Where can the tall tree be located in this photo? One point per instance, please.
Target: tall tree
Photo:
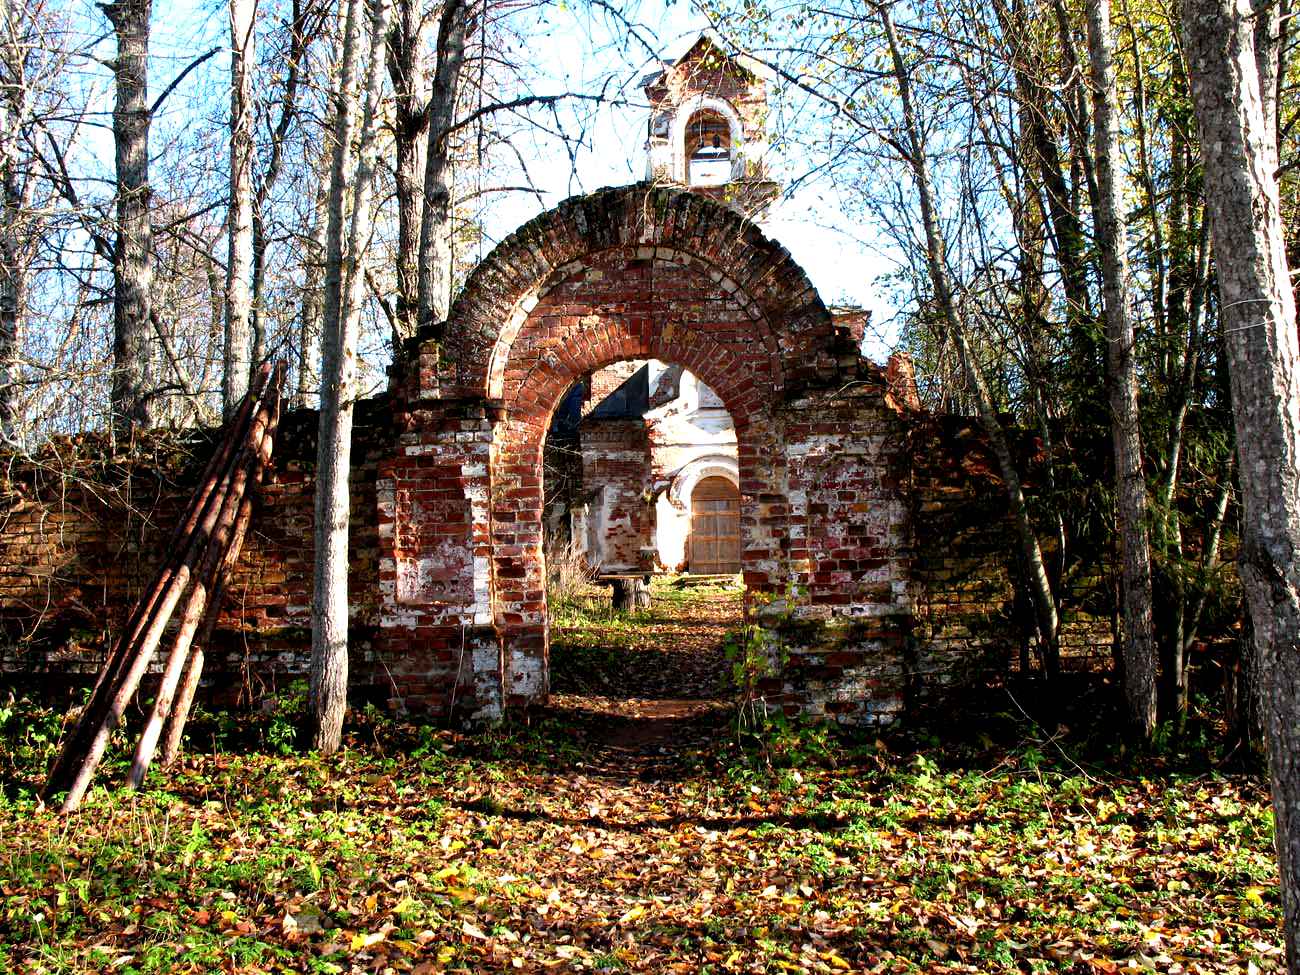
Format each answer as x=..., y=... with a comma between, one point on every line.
x=435, y=224
x=239, y=265
x=913, y=148
x=17, y=41
x=406, y=66
x=303, y=23
x=1258, y=315
x=346, y=240
x=132, y=392
x=1139, y=653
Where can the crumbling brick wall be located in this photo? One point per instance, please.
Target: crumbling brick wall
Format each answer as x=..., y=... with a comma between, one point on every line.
x=615, y=461
x=75, y=552
x=872, y=555
x=80, y=539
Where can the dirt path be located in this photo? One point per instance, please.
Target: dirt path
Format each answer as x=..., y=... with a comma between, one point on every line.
x=647, y=688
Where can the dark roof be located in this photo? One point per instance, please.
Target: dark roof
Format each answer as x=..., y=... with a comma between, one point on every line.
x=629, y=401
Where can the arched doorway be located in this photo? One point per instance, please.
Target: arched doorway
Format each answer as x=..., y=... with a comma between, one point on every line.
x=632, y=273
x=715, y=543
x=630, y=632
x=639, y=272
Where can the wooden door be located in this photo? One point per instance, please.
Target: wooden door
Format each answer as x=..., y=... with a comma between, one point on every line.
x=715, y=527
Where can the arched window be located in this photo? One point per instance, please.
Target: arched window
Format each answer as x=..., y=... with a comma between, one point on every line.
x=708, y=149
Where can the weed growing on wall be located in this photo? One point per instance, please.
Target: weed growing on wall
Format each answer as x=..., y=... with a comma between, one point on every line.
x=757, y=653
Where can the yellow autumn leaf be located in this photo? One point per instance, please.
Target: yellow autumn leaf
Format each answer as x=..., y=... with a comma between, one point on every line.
x=632, y=915
x=836, y=961
x=362, y=940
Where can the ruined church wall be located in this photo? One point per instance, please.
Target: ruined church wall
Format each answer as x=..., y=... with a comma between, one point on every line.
x=615, y=461
x=79, y=541
x=842, y=626
x=895, y=548
x=902, y=582
x=971, y=610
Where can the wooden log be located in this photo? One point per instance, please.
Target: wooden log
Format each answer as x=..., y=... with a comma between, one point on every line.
x=221, y=459
x=149, y=604
x=630, y=593
x=222, y=551
x=81, y=765
x=180, y=712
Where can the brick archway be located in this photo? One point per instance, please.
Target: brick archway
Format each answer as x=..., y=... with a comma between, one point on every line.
x=467, y=355
x=534, y=389
x=637, y=272
x=641, y=271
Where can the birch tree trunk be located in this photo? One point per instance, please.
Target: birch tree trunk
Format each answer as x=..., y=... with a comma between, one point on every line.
x=131, y=395
x=309, y=322
x=15, y=197
x=301, y=36
x=1040, y=588
x=344, y=275
x=435, y=222
x=239, y=264
x=1259, y=324
x=1139, y=649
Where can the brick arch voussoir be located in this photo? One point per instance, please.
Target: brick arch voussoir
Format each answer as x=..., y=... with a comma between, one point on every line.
x=562, y=362
x=522, y=266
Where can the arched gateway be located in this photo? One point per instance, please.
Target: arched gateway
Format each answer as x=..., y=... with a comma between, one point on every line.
x=634, y=273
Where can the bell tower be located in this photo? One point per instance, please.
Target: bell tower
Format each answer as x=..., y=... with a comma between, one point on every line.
x=707, y=126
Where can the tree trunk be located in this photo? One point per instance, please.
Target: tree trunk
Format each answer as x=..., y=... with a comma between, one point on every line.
x=301, y=37
x=435, y=223
x=133, y=368
x=1121, y=367
x=309, y=323
x=1040, y=587
x=342, y=305
x=14, y=255
x=1269, y=36
x=628, y=595
x=1259, y=325
x=1036, y=98
x=406, y=68
x=239, y=264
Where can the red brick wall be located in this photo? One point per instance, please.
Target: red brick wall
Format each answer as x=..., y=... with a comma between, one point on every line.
x=873, y=547
x=78, y=552
x=605, y=381
x=892, y=535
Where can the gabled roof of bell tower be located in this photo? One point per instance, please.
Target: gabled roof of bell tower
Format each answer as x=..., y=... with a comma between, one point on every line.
x=704, y=42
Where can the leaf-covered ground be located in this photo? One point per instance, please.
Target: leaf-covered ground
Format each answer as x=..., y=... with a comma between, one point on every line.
x=630, y=830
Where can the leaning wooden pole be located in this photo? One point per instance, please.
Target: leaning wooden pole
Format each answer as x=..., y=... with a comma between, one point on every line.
x=221, y=553
x=147, y=606
x=82, y=754
x=180, y=712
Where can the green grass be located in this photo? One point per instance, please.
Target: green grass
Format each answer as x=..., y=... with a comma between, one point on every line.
x=880, y=857
x=796, y=848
